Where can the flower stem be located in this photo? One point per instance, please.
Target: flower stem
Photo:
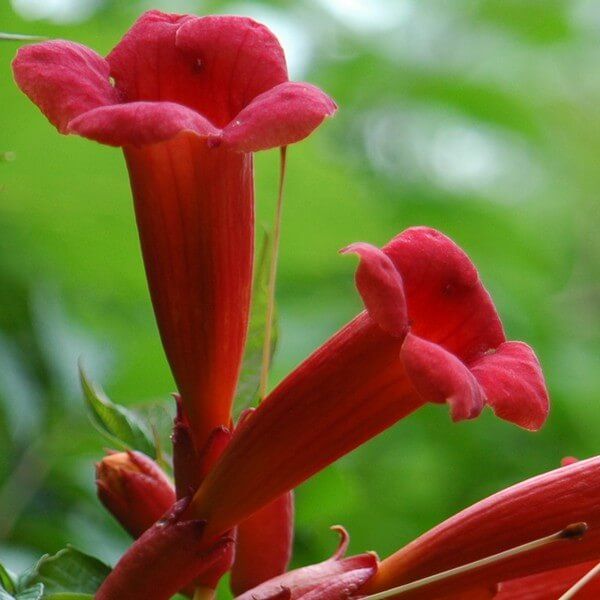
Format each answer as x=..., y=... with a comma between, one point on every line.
x=204, y=593
x=574, y=531
x=570, y=593
x=266, y=354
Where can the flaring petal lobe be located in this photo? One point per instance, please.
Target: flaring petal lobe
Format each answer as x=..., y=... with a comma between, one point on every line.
x=141, y=123
x=438, y=376
x=514, y=385
x=337, y=577
x=447, y=302
x=235, y=59
x=146, y=64
x=280, y=116
x=64, y=79
x=380, y=286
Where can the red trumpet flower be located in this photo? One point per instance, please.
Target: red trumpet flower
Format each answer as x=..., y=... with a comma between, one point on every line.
x=530, y=510
x=430, y=334
x=544, y=531
x=189, y=99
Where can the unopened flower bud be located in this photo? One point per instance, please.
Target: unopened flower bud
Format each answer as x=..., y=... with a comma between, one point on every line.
x=134, y=490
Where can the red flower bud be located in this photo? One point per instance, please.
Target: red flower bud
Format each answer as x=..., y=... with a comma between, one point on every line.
x=134, y=490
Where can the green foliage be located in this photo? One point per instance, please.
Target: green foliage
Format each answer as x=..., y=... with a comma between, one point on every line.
x=33, y=593
x=118, y=424
x=480, y=118
x=68, y=574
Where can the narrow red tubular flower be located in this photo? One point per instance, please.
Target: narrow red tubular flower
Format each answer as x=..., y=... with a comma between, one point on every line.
x=263, y=546
x=134, y=490
x=551, y=584
x=527, y=511
x=335, y=578
x=373, y=373
x=189, y=99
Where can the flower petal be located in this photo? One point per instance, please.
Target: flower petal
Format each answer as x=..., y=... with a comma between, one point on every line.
x=140, y=123
x=337, y=577
x=524, y=512
x=195, y=213
x=235, y=58
x=447, y=302
x=281, y=116
x=64, y=79
x=440, y=377
x=381, y=288
x=263, y=546
x=514, y=385
x=216, y=65
x=146, y=64
x=551, y=584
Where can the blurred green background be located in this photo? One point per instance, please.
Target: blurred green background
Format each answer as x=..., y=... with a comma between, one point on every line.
x=480, y=118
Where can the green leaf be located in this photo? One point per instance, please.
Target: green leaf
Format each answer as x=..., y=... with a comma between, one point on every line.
x=33, y=593
x=68, y=574
x=246, y=394
x=118, y=424
x=7, y=580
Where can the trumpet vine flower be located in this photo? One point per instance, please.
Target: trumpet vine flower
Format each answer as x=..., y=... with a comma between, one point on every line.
x=189, y=99
x=532, y=541
x=430, y=333
x=530, y=510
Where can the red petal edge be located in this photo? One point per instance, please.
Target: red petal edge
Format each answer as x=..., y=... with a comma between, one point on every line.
x=281, y=116
x=337, y=577
x=439, y=376
x=514, y=385
x=64, y=79
x=141, y=123
x=447, y=302
x=380, y=286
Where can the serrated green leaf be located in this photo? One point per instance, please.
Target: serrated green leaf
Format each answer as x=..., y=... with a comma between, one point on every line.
x=247, y=389
x=118, y=424
x=68, y=574
x=7, y=580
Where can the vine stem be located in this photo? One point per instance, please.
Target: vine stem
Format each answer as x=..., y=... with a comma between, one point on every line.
x=266, y=353
x=204, y=593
